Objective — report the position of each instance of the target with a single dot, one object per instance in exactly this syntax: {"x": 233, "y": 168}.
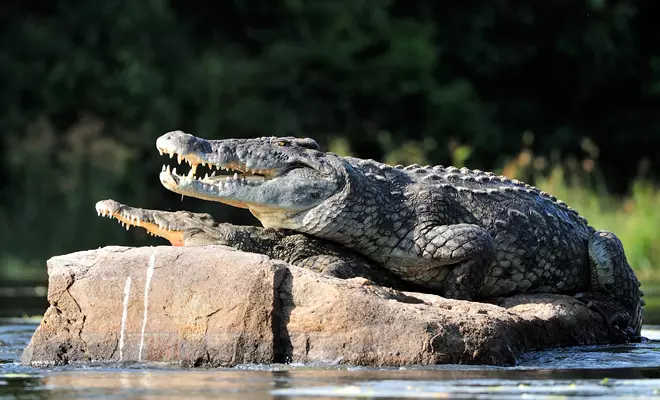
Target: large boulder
{"x": 216, "y": 306}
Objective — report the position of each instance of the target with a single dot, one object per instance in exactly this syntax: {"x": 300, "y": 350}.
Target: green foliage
{"x": 89, "y": 85}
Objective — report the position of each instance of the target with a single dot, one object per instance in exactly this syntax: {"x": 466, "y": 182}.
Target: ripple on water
{"x": 490, "y": 389}
{"x": 15, "y": 334}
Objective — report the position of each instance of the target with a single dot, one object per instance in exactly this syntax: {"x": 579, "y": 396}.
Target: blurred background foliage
{"x": 563, "y": 94}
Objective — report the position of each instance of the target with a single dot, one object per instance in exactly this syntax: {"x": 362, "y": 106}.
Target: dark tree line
{"x": 87, "y": 86}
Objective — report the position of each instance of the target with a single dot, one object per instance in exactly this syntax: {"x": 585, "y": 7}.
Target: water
{"x": 580, "y": 372}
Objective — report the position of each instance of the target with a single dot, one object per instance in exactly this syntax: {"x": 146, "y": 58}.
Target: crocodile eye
{"x": 281, "y": 143}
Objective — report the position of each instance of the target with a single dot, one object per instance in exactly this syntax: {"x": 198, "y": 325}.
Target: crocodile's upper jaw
{"x": 275, "y": 178}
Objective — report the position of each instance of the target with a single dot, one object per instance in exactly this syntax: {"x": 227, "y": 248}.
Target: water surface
{"x": 579, "y": 372}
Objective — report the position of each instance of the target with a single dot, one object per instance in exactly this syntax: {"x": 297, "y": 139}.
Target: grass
{"x": 16, "y": 270}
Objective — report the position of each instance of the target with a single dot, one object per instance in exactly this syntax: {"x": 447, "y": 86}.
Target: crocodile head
{"x": 168, "y": 225}
{"x": 277, "y": 178}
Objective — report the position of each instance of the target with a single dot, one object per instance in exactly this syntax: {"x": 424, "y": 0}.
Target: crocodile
{"x": 462, "y": 233}
{"x": 185, "y": 228}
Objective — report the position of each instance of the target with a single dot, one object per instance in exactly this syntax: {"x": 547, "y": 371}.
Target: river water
{"x": 631, "y": 371}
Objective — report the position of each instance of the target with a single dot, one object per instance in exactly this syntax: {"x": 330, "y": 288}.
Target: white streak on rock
{"x": 127, "y": 293}
{"x": 150, "y": 273}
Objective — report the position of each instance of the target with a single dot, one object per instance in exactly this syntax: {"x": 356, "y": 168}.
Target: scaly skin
{"x": 184, "y": 228}
{"x": 462, "y": 233}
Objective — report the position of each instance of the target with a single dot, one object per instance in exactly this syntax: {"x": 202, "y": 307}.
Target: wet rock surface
{"x": 215, "y": 306}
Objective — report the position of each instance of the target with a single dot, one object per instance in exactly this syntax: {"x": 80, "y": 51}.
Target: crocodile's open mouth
{"x": 113, "y": 209}
{"x": 217, "y": 175}
{"x": 278, "y": 177}
{"x": 220, "y": 179}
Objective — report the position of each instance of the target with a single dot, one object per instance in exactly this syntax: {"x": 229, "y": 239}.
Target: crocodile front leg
{"x": 460, "y": 255}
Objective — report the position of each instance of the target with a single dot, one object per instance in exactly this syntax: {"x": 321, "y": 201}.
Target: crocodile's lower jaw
{"x": 205, "y": 189}
{"x": 173, "y": 236}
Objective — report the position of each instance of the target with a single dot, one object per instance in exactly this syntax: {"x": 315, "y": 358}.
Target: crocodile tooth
{"x": 193, "y": 169}
{"x": 160, "y": 151}
{"x": 168, "y": 168}
{"x": 162, "y": 169}
{"x": 206, "y": 176}
{"x": 213, "y": 173}
{"x": 235, "y": 175}
{"x": 171, "y": 155}
{"x": 173, "y": 171}
{"x": 227, "y": 180}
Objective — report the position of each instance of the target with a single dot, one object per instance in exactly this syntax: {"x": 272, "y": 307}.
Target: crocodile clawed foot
{"x": 613, "y": 312}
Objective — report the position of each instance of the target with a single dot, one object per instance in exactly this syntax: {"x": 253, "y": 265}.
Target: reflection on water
{"x": 588, "y": 371}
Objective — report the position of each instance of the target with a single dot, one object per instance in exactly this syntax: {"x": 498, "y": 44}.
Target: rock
{"x": 215, "y": 306}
